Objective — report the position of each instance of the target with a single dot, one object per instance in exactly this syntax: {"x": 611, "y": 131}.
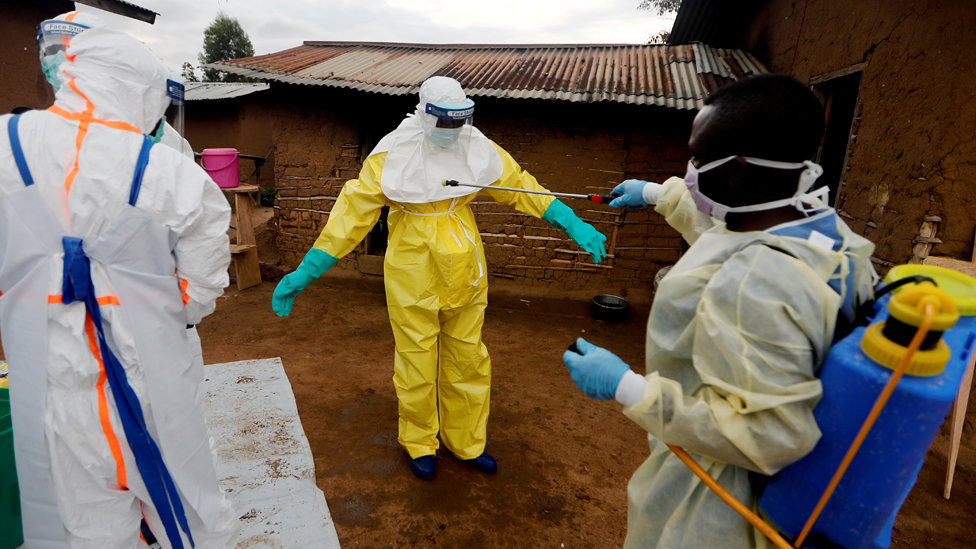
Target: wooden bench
{"x": 245, "y": 251}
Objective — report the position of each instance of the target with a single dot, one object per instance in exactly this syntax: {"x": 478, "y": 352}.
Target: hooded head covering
{"x": 415, "y": 165}
{"x": 54, "y": 35}
{"x": 115, "y": 77}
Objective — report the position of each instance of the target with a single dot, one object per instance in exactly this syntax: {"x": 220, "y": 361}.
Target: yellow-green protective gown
{"x": 436, "y": 292}
{"x": 735, "y": 335}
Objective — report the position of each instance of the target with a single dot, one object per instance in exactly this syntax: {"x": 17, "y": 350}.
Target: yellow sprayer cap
{"x": 908, "y": 306}
{"x": 962, "y": 288}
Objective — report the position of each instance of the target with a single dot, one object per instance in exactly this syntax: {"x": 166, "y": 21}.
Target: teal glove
{"x": 583, "y": 234}
{"x": 314, "y": 265}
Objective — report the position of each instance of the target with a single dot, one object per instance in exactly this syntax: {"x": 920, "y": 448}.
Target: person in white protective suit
{"x": 742, "y": 323}
{"x": 109, "y": 247}
{"x": 68, "y": 25}
{"x": 435, "y": 270}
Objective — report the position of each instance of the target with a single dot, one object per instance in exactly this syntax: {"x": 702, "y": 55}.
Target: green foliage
{"x": 662, "y": 6}
{"x": 224, "y": 40}
{"x": 268, "y": 196}
{"x": 188, "y": 74}
{"x": 659, "y": 38}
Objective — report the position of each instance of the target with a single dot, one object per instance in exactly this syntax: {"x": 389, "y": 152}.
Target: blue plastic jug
{"x": 861, "y": 512}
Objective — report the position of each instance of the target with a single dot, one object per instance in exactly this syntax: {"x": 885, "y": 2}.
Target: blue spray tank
{"x": 861, "y": 512}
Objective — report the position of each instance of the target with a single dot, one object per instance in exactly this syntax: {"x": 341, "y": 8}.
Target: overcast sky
{"x": 272, "y": 26}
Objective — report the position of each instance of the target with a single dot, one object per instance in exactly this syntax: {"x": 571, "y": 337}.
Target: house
{"x": 232, "y": 115}
{"x": 580, "y": 118}
{"x": 897, "y": 82}
{"x": 23, "y": 83}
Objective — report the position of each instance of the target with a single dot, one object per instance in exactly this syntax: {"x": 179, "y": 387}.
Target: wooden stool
{"x": 245, "y": 251}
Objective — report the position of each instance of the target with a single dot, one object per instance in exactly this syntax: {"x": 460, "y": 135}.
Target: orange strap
{"x": 71, "y": 16}
{"x": 103, "y": 301}
{"x": 183, "y": 285}
{"x": 84, "y": 120}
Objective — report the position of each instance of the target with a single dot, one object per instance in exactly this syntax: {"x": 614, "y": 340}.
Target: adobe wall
{"x": 568, "y": 147}
{"x": 914, "y": 151}
{"x": 242, "y": 123}
{"x": 20, "y": 71}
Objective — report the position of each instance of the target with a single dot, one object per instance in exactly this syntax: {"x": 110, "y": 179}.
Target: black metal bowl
{"x": 610, "y": 308}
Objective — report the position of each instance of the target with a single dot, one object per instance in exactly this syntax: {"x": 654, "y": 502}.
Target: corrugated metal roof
{"x": 220, "y": 90}
{"x": 718, "y": 22}
{"x": 123, "y": 8}
{"x": 677, "y": 76}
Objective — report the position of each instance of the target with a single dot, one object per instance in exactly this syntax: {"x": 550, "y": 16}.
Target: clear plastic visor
{"x": 174, "y": 112}
{"x": 452, "y": 116}
{"x": 54, "y": 36}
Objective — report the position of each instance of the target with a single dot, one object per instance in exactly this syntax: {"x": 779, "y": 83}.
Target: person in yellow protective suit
{"x": 435, "y": 270}
{"x": 741, "y": 325}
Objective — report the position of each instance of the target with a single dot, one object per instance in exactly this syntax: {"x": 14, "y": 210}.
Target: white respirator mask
{"x": 816, "y": 199}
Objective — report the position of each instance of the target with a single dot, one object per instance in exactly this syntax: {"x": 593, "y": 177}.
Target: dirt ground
{"x": 564, "y": 459}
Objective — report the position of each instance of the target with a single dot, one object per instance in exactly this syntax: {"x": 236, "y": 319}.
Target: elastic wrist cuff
{"x": 651, "y": 192}
{"x": 630, "y": 390}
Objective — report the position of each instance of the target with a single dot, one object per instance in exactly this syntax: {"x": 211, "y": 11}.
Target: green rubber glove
{"x": 583, "y": 234}
{"x": 314, "y": 265}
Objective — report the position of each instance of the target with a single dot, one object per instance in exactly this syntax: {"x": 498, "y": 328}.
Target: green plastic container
{"x": 11, "y": 529}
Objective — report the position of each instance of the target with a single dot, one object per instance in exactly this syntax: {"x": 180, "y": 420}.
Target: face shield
{"x": 450, "y": 119}
{"x": 174, "y": 112}
{"x": 53, "y": 37}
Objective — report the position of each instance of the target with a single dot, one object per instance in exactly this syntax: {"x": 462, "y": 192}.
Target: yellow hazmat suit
{"x": 737, "y": 331}
{"x": 435, "y": 269}
{"x": 436, "y": 292}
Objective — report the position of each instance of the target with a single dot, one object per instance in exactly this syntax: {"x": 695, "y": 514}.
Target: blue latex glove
{"x": 595, "y": 370}
{"x": 583, "y": 234}
{"x": 314, "y": 265}
{"x": 631, "y": 193}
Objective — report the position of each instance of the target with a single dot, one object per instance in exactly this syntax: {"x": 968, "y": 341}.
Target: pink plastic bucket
{"x": 221, "y": 164}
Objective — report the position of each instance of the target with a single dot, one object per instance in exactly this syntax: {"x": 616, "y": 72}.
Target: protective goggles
{"x": 54, "y": 36}
{"x": 174, "y": 112}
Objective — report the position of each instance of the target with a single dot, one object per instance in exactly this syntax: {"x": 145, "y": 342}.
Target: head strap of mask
{"x": 816, "y": 199}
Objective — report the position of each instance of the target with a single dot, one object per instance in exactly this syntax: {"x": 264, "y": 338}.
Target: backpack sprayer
{"x": 598, "y": 198}
{"x": 909, "y": 363}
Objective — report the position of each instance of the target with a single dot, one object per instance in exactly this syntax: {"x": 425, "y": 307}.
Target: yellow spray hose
{"x": 916, "y": 343}
{"x": 879, "y": 404}
{"x": 746, "y": 513}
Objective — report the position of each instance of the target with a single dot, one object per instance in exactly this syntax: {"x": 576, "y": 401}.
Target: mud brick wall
{"x": 568, "y": 147}
{"x": 912, "y": 156}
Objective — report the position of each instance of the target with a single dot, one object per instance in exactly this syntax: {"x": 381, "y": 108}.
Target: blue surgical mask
{"x": 443, "y": 137}
{"x": 51, "y": 65}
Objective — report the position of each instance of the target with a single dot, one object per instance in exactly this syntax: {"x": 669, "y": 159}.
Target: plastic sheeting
{"x": 263, "y": 459}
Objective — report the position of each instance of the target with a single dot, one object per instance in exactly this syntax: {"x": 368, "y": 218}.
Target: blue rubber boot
{"x": 423, "y": 467}
{"x": 484, "y": 463}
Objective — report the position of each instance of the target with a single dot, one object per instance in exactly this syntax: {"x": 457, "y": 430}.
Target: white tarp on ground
{"x": 263, "y": 459}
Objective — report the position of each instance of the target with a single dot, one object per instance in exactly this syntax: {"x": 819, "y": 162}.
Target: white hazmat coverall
{"x": 85, "y": 436}
{"x": 737, "y": 332}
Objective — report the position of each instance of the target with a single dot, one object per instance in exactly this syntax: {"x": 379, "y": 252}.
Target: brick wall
{"x": 568, "y": 147}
